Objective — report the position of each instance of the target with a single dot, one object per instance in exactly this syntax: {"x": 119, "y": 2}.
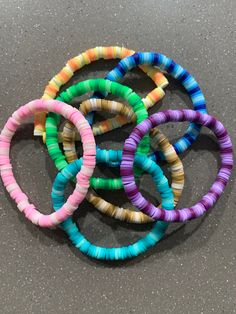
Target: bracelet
{"x": 177, "y": 72}
{"x": 176, "y": 166}
{"x": 208, "y": 200}
{"x": 69, "y": 133}
{"x": 82, "y": 177}
{"x": 100, "y": 85}
{"x": 167, "y": 149}
{"x": 88, "y": 57}
{"x": 120, "y": 253}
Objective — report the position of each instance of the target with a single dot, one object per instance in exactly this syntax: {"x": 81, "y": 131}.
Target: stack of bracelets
{"x": 133, "y": 160}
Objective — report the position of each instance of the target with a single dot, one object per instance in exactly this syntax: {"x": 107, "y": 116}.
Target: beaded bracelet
{"x": 100, "y": 85}
{"x": 167, "y": 149}
{"x": 82, "y": 177}
{"x": 208, "y": 200}
{"x": 120, "y": 253}
{"x": 69, "y": 133}
{"x": 170, "y": 155}
{"x": 88, "y": 57}
{"x": 177, "y": 72}
{"x": 87, "y": 106}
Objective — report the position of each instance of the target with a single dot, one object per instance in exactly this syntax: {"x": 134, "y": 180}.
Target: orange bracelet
{"x": 88, "y": 57}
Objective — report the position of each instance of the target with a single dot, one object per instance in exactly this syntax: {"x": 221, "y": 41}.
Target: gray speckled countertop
{"x": 194, "y": 269}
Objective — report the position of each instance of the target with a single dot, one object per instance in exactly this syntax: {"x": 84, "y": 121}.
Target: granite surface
{"x": 193, "y": 270}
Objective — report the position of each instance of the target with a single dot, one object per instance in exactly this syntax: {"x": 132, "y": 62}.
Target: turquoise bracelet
{"x": 119, "y": 253}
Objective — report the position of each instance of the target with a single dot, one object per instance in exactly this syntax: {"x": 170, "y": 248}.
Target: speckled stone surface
{"x": 194, "y": 269}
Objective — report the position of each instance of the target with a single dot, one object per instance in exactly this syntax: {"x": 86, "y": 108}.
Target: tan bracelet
{"x": 175, "y": 164}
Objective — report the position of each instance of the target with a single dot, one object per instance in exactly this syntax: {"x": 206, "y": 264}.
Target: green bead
{"x": 80, "y": 88}
{"x": 102, "y": 86}
{"x": 73, "y": 91}
{"x": 66, "y": 97}
{"x": 134, "y": 100}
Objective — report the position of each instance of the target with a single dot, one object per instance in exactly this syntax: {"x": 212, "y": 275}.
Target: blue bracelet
{"x": 120, "y": 253}
{"x": 177, "y": 72}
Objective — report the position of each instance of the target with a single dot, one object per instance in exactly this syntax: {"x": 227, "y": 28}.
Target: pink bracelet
{"x": 82, "y": 177}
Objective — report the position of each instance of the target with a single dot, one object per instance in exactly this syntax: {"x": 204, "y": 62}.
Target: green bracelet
{"x": 79, "y": 89}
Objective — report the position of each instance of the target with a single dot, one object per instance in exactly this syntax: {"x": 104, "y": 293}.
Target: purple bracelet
{"x": 208, "y": 200}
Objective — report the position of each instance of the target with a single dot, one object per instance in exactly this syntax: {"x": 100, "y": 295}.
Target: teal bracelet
{"x": 120, "y": 253}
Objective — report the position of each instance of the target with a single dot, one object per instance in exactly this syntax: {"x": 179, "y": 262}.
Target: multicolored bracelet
{"x": 176, "y": 166}
{"x": 120, "y": 253}
{"x": 88, "y": 57}
{"x": 69, "y": 133}
{"x": 177, "y": 72}
{"x": 82, "y": 177}
{"x": 208, "y": 200}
